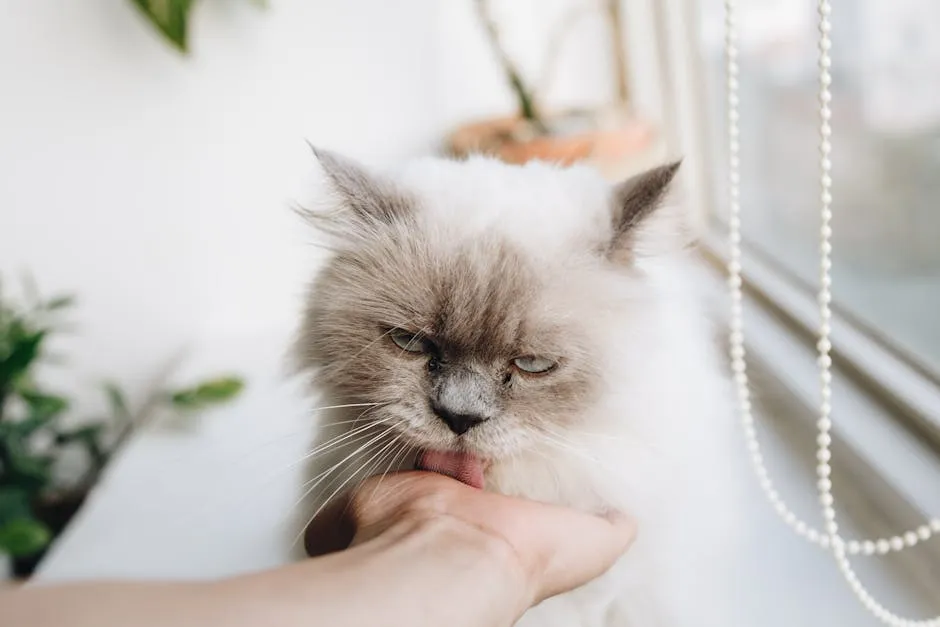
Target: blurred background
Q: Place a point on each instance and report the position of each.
(152, 270)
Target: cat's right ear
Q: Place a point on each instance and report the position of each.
(361, 201)
(644, 222)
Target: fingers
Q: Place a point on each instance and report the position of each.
(332, 530)
(564, 548)
(557, 548)
(372, 507)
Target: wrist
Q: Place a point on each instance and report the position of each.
(461, 565)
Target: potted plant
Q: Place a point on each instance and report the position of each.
(36, 502)
(606, 137)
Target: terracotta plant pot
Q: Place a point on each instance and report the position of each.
(606, 139)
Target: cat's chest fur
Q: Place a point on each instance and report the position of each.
(675, 573)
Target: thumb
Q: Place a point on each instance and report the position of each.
(562, 548)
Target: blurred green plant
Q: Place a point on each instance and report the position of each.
(527, 108)
(525, 93)
(34, 503)
(171, 18)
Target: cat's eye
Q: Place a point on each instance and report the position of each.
(406, 341)
(534, 364)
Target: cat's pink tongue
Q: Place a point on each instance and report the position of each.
(463, 467)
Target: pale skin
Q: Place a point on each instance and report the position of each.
(413, 549)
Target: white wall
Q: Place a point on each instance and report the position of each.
(156, 187)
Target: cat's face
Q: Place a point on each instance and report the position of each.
(465, 340)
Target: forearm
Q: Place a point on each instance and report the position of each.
(107, 604)
(423, 575)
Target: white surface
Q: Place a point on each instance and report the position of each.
(204, 501)
(157, 187)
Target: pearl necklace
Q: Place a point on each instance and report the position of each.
(829, 538)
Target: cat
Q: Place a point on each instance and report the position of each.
(542, 331)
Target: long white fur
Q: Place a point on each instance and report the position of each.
(659, 444)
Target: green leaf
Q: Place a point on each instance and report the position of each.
(14, 503)
(117, 401)
(43, 406)
(59, 302)
(23, 429)
(24, 536)
(170, 17)
(31, 288)
(22, 351)
(25, 470)
(208, 393)
(43, 409)
(31, 473)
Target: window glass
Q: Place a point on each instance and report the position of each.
(886, 153)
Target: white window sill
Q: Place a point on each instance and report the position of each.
(889, 467)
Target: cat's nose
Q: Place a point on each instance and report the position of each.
(457, 422)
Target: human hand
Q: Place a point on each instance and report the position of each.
(539, 550)
(425, 550)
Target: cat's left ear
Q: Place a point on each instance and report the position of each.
(362, 202)
(644, 222)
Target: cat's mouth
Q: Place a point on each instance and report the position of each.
(460, 465)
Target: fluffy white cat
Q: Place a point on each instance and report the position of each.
(539, 332)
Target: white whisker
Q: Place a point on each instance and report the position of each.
(341, 486)
(372, 343)
(398, 454)
(313, 483)
(256, 448)
(216, 504)
(372, 438)
(340, 438)
(345, 406)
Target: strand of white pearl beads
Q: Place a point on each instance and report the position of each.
(830, 538)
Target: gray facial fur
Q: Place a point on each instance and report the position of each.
(476, 304)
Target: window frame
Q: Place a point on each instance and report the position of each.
(894, 377)
(897, 451)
